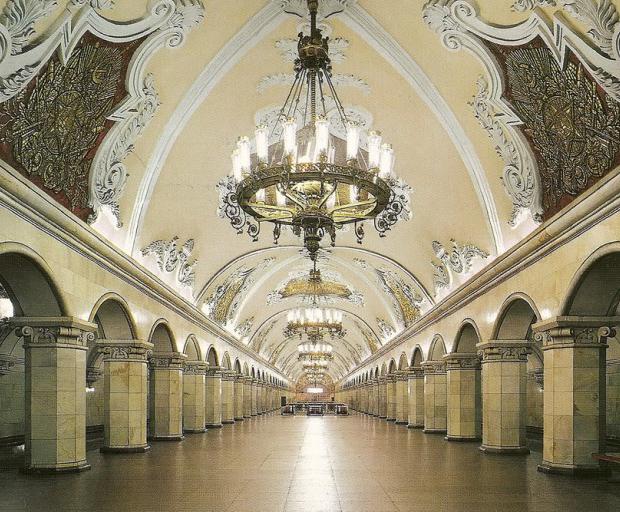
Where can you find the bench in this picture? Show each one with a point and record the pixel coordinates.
(609, 461)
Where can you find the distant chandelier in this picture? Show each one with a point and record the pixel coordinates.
(309, 179)
(320, 352)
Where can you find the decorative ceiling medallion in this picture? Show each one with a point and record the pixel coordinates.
(337, 47)
(565, 64)
(52, 129)
(222, 305)
(528, 5)
(574, 128)
(288, 79)
(172, 260)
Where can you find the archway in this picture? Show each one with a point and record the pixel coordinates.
(212, 357)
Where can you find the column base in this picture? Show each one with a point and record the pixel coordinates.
(458, 439)
(195, 431)
(213, 425)
(579, 471)
(125, 449)
(401, 422)
(254, 414)
(77, 468)
(227, 422)
(434, 431)
(247, 417)
(413, 425)
(510, 450)
(390, 419)
(238, 419)
(167, 438)
(383, 417)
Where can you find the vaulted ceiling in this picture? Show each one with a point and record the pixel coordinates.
(397, 75)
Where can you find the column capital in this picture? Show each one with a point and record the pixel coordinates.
(167, 361)
(128, 350)
(415, 372)
(575, 331)
(382, 379)
(214, 371)
(401, 375)
(8, 362)
(434, 367)
(229, 375)
(504, 350)
(247, 380)
(62, 331)
(195, 368)
(462, 361)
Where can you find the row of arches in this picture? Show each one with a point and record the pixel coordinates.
(542, 373)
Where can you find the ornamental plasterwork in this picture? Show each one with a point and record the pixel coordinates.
(407, 301)
(528, 5)
(458, 260)
(459, 26)
(386, 331)
(337, 47)
(22, 57)
(222, 305)
(244, 328)
(372, 342)
(338, 79)
(171, 259)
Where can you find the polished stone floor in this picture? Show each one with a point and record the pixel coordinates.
(275, 463)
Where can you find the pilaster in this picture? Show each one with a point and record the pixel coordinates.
(415, 381)
(166, 389)
(213, 397)
(435, 397)
(194, 396)
(464, 397)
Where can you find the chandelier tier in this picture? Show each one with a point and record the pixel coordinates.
(311, 180)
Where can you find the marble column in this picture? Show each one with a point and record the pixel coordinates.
(435, 397)
(55, 384)
(254, 397)
(365, 398)
(374, 397)
(574, 400)
(464, 397)
(504, 395)
(213, 397)
(613, 399)
(194, 396)
(166, 401)
(402, 402)
(383, 407)
(228, 397)
(263, 402)
(239, 397)
(415, 380)
(247, 397)
(391, 398)
(125, 394)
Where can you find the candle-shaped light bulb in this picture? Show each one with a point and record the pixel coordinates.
(353, 193)
(353, 140)
(236, 165)
(243, 145)
(280, 198)
(321, 136)
(290, 136)
(262, 143)
(374, 149)
(387, 161)
(260, 195)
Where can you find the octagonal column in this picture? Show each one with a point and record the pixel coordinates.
(166, 388)
(125, 394)
(415, 381)
(194, 396)
(213, 397)
(574, 401)
(435, 397)
(365, 398)
(247, 397)
(383, 407)
(374, 408)
(391, 398)
(239, 397)
(263, 398)
(228, 397)
(464, 397)
(402, 405)
(504, 395)
(55, 384)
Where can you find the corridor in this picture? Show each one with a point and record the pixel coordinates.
(272, 463)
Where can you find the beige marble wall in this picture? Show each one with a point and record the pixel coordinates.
(613, 399)
(12, 389)
(194, 396)
(464, 398)
(435, 397)
(247, 397)
(391, 398)
(166, 397)
(535, 395)
(228, 397)
(383, 405)
(415, 382)
(95, 406)
(254, 397)
(213, 398)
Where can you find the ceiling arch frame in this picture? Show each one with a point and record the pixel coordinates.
(263, 23)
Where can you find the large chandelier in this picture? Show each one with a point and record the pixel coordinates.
(310, 180)
(321, 351)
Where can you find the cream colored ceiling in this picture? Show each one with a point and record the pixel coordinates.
(446, 199)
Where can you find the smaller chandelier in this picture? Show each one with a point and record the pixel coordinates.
(312, 318)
